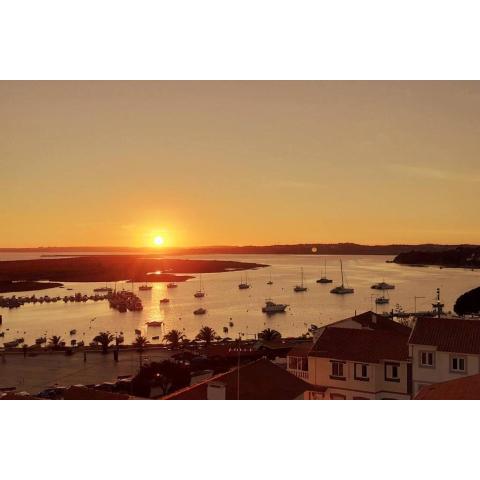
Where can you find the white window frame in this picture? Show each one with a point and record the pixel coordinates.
(427, 364)
(458, 359)
(340, 368)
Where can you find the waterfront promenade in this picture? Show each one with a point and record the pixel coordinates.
(33, 374)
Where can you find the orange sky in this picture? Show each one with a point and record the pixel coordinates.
(209, 163)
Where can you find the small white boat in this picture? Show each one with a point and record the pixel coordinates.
(172, 285)
(144, 287)
(165, 300)
(383, 286)
(301, 287)
(272, 307)
(154, 323)
(382, 300)
(200, 311)
(270, 280)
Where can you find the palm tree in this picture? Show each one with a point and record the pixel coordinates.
(174, 337)
(104, 339)
(140, 342)
(207, 335)
(55, 341)
(269, 334)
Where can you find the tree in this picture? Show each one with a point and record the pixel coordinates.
(269, 334)
(169, 376)
(55, 341)
(174, 337)
(206, 335)
(104, 339)
(468, 303)
(140, 342)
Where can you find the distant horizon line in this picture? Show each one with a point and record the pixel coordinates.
(205, 247)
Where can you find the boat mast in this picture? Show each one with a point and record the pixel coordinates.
(341, 270)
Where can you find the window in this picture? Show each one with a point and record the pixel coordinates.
(392, 372)
(337, 396)
(458, 364)
(298, 363)
(337, 370)
(427, 359)
(361, 371)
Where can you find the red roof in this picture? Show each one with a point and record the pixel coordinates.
(259, 380)
(465, 388)
(301, 350)
(447, 334)
(375, 321)
(362, 345)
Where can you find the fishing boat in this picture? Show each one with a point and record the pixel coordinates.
(172, 285)
(200, 311)
(145, 287)
(200, 292)
(165, 300)
(272, 307)
(324, 278)
(382, 286)
(301, 287)
(243, 285)
(341, 290)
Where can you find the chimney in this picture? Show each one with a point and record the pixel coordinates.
(374, 318)
(216, 391)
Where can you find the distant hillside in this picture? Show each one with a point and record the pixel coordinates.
(459, 257)
(298, 249)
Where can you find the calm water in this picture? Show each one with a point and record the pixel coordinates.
(224, 301)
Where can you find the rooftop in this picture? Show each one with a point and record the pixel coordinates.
(465, 388)
(447, 334)
(374, 321)
(362, 345)
(259, 380)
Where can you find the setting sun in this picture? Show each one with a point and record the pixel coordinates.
(158, 240)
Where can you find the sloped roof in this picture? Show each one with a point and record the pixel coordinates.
(362, 345)
(259, 380)
(465, 388)
(447, 334)
(374, 321)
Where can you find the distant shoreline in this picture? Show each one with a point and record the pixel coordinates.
(295, 249)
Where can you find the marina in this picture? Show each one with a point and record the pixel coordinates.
(226, 304)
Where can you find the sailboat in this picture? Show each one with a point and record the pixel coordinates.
(301, 287)
(324, 278)
(270, 281)
(341, 290)
(243, 285)
(199, 293)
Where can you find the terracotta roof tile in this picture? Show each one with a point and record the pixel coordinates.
(466, 388)
(447, 334)
(370, 346)
(259, 380)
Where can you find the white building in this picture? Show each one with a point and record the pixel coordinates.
(359, 364)
(443, 349)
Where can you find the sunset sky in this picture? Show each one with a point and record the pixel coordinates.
(217, 163)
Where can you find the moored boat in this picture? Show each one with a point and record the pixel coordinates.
(272, 307)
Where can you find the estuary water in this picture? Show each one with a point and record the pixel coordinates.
(225, 303)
